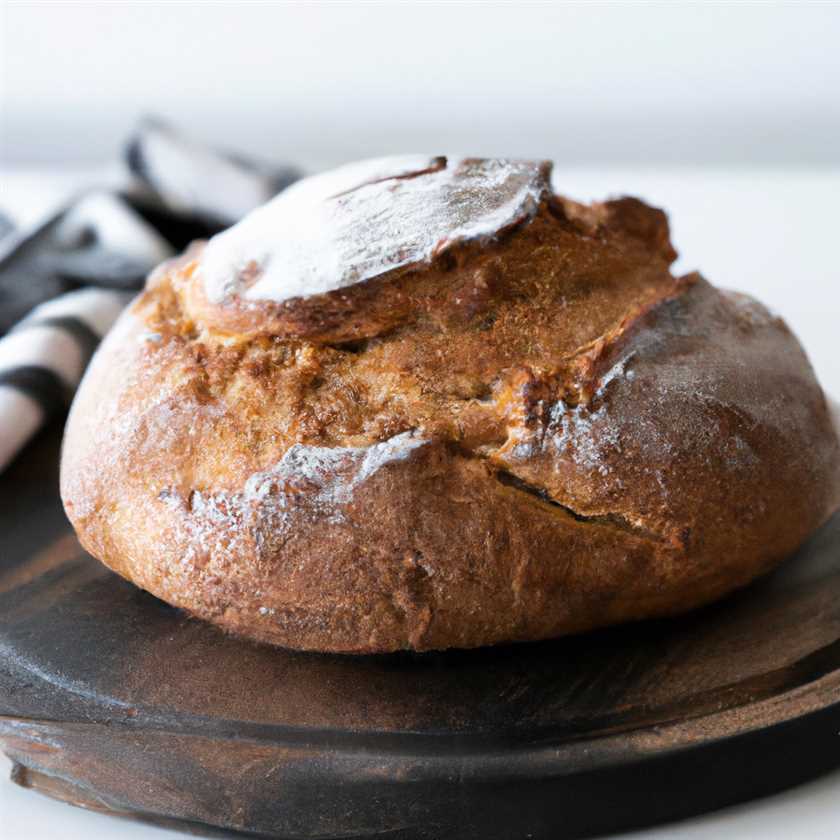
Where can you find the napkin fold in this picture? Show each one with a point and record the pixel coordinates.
(42, 360)
(65, 282)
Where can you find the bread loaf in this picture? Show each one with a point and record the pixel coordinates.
(421, 403)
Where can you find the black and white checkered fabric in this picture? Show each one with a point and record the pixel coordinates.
(63, 284)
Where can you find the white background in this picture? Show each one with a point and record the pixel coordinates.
(727, 115)
(602, 83)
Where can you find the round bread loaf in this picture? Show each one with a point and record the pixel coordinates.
(423, 403)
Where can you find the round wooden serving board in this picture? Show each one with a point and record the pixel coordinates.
(113, 700)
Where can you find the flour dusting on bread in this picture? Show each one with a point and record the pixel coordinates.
(328, 474)
(361, 221)
(316, 481)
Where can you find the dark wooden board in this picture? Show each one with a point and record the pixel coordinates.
(111, 699)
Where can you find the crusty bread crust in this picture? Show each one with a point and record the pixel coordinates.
(523, 437)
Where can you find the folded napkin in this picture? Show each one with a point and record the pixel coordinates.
(63, 284)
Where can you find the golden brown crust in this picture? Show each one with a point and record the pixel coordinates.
(527, 436)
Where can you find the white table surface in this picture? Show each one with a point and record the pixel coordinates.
(773, 234)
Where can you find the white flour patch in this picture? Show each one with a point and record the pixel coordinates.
(360, 221)
(310, 483)
(573, 434)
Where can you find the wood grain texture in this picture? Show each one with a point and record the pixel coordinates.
(111, 699)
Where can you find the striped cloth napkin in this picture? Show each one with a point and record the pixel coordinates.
(64, 283)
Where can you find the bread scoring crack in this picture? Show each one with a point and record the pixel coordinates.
(612, 520)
